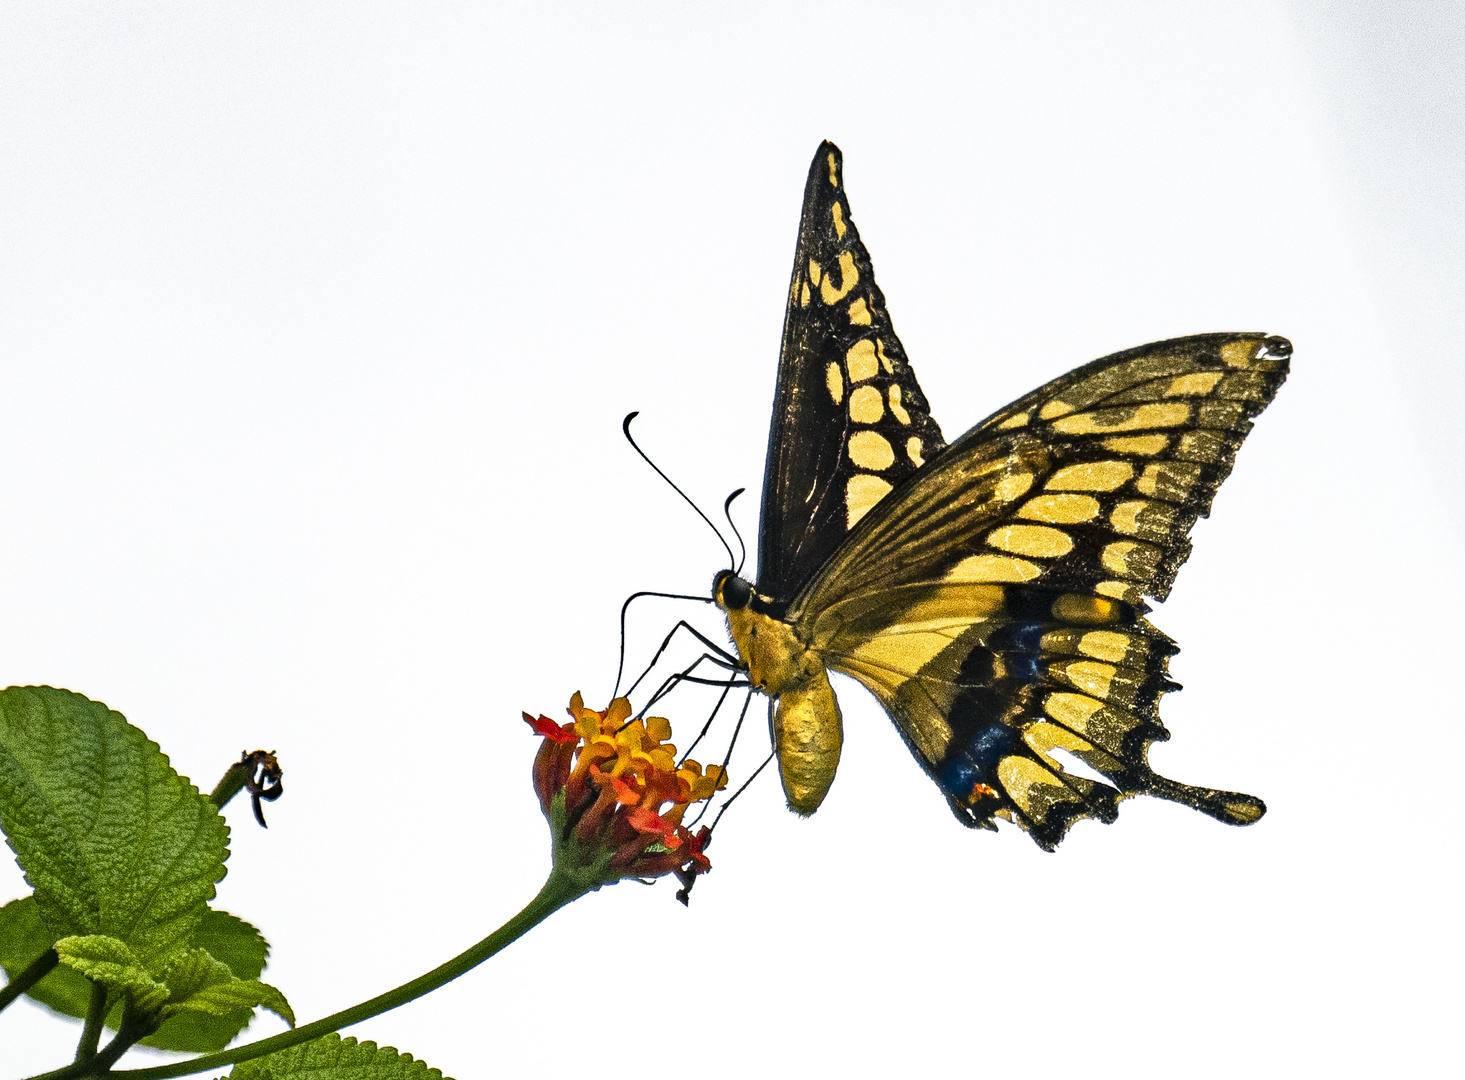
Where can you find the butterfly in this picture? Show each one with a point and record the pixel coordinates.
(990, 592)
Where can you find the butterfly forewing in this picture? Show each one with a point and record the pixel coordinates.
(993, 602)
(850, 422)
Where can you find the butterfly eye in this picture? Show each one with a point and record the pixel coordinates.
(732, 591)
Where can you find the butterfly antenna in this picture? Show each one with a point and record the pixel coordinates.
(626, 428)
(727, 513)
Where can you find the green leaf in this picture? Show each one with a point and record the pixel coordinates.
(23, 937)
(199, 983)
(113, 841)
(110, 962)
(231, 941)
(335, 1058)
(224, 998)
(227, 938)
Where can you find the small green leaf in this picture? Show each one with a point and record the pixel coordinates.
(227, 938)
(334, 1058)
(231, 941)
(195, 971)
(110, 962)
(221, 999)
(111, 838)
(199, 983)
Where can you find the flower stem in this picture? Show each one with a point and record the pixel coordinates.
(558, 891)
(229, 785)
(34, 973)
(91, 1032)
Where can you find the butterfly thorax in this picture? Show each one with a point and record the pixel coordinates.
(807, 732)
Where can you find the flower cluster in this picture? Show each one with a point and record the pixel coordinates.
(614, 795)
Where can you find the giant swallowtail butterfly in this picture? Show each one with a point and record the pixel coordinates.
(988, 592)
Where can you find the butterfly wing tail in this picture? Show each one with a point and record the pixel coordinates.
(1231, 807)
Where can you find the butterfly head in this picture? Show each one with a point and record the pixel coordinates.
(731, 592)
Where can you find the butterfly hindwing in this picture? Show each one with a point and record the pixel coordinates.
(993, 602)
(850, 422)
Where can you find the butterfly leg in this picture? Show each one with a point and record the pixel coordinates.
(716, 653)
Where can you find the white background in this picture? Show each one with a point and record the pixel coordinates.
(318, 325)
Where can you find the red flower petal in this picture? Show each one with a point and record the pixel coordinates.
(543, 725)
(648, 821)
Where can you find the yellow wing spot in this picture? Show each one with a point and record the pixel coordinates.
(1129, 559)
(870, 450)
(1053, 409)
(996, 569)
(1105, 645)
(837, 213)
(1091, 677)
(1115, 557)
(1125, 516)
(1072, 607)
(835, 382)
(1014, 486)
(848, 277)
(1020, 777)
(913, 451)
(896, 407)
(1146, 445)
(1140, 517)
(1042, 737)
(1038, 541)
(860, 361)
(1119, 590)
(1060, 509)
(866, 406)
(1091, 476)
(804, 295)
(1170, 480)
(859, 313)
(861, 493)
(1196, 384)
(1244, 811)
(1155, 414)
(1072, 710)
(1017, 421)
(1238, 353)
(884, 360)
(815, 271)
(833, 172)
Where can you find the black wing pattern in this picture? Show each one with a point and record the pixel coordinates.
(849, 421)
(993, 601)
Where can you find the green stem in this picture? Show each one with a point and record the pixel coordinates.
(91, 1032)
(558, 891)
(38, 970)
(229, 785)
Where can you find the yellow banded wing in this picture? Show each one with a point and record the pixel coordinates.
(849, 420)
(993, 601)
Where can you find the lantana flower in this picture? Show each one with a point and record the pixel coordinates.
(615, 795)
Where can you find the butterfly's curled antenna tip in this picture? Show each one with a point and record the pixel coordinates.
(626, 429)
(727, 513)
